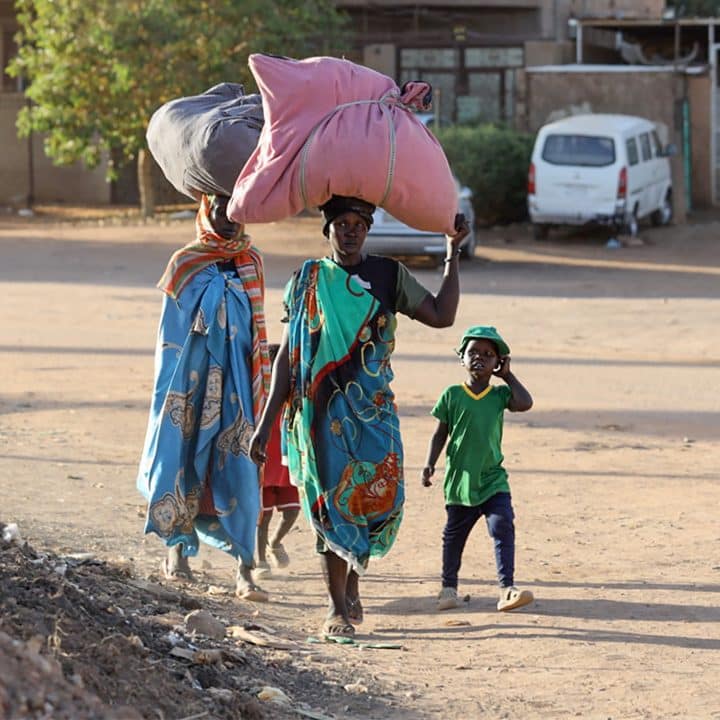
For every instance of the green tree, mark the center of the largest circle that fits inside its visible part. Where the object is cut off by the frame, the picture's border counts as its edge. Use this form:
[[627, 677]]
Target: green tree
[[96, 70], [493, 162]]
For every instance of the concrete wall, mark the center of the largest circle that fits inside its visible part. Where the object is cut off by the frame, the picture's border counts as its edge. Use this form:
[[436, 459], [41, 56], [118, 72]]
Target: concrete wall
[[437, 24], [556, 13], [14, 175], [73, 184], [649, 94], [70, 184], [547, 52], [381, 57]]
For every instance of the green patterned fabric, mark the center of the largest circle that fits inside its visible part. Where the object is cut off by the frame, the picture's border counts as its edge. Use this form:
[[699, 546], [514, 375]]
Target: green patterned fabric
[[341, 427]]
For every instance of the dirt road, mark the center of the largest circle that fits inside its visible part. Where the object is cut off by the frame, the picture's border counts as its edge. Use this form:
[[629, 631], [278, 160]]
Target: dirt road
[[614, 471]]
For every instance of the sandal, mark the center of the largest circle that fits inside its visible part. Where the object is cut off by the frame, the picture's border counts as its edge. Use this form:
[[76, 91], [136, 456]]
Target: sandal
[[354, 610], [250, 591], [335, 628]]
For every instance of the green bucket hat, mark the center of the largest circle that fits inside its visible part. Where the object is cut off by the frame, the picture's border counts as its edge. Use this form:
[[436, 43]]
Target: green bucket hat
[[485, 332]]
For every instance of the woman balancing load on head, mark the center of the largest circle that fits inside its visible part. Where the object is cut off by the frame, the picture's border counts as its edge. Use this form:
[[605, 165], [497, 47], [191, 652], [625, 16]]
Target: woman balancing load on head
[[333, 369], [212, 374]]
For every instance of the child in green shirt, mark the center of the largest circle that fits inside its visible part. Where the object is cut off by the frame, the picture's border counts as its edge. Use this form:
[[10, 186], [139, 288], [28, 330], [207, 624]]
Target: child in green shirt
[[470, 416]]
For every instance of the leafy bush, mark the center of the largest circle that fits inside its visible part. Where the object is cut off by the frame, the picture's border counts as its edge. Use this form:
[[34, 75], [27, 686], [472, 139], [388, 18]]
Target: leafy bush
[[493, 162]]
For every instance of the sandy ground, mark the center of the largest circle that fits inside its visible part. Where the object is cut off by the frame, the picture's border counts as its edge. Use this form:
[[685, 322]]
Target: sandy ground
[[614, 472]]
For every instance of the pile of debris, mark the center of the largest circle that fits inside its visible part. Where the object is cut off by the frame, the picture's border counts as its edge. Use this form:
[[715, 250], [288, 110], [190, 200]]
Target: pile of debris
[[82, 638]]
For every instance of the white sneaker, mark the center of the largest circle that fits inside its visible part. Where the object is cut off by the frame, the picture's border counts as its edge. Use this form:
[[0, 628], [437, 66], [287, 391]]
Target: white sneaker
[[512, 598], [262, 569], [448, 599]]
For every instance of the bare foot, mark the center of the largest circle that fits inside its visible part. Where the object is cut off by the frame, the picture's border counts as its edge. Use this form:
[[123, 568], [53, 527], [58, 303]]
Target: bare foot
[[175, 566], [277, 555]]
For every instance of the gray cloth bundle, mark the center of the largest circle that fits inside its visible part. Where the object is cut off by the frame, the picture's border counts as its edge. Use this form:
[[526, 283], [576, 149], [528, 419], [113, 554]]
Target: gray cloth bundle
[[201, 142]]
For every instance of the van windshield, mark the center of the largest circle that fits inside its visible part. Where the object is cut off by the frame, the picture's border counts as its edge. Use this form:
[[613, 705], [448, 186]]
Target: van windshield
[[585, 150]]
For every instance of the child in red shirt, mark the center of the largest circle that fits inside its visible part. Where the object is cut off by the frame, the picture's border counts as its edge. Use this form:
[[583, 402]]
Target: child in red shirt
[[277, 493]]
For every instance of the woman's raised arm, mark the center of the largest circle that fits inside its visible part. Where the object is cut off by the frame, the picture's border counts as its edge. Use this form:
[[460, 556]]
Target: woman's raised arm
[[439, 310]]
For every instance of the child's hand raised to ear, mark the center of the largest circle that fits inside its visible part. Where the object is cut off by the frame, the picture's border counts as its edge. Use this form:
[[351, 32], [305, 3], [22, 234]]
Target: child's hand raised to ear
[[503, 367]]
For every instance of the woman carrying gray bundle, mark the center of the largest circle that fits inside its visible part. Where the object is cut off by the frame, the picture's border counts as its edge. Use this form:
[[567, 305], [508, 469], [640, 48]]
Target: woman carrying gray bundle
[[211, 377]]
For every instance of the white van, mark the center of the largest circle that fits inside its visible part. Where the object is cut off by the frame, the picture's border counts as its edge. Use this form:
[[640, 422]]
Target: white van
[[607, 169]]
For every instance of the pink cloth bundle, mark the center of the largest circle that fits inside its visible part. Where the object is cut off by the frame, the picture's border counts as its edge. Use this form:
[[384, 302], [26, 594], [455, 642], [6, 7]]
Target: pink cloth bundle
[[336, 128]]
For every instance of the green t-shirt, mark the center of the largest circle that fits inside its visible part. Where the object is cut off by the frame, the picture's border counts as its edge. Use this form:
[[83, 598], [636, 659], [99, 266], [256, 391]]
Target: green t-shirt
[[473, 469]]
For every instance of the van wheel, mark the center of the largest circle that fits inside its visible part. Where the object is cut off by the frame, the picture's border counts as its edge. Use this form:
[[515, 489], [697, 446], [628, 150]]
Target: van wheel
[[632, 225], [663, 215], [540, 232]]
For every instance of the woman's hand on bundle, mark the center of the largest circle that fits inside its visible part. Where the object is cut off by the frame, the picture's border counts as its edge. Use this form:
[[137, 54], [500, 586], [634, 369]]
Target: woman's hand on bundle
[[462, 230]]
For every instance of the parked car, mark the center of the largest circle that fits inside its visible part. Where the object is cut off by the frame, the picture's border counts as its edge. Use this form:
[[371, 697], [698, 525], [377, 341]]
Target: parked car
[[389, 236], [599, 168]]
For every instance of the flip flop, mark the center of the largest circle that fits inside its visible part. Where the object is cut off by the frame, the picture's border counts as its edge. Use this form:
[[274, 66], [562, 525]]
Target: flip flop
[[335, 629], [251, 592]]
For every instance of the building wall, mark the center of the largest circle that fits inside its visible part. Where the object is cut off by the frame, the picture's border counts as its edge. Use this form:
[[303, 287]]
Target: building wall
[[14, 169], [614, 92], [381, 57], [392, 20], [472, 53], [387, 33], [73, 184], [432, 24], [650, 94], [548, 52]]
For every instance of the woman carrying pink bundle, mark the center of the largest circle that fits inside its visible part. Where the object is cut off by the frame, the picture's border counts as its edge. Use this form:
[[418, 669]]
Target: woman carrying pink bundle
[[333, 374]]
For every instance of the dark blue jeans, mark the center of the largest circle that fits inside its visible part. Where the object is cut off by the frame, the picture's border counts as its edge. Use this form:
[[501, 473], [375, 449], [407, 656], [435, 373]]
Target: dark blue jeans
[[499, 516]]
